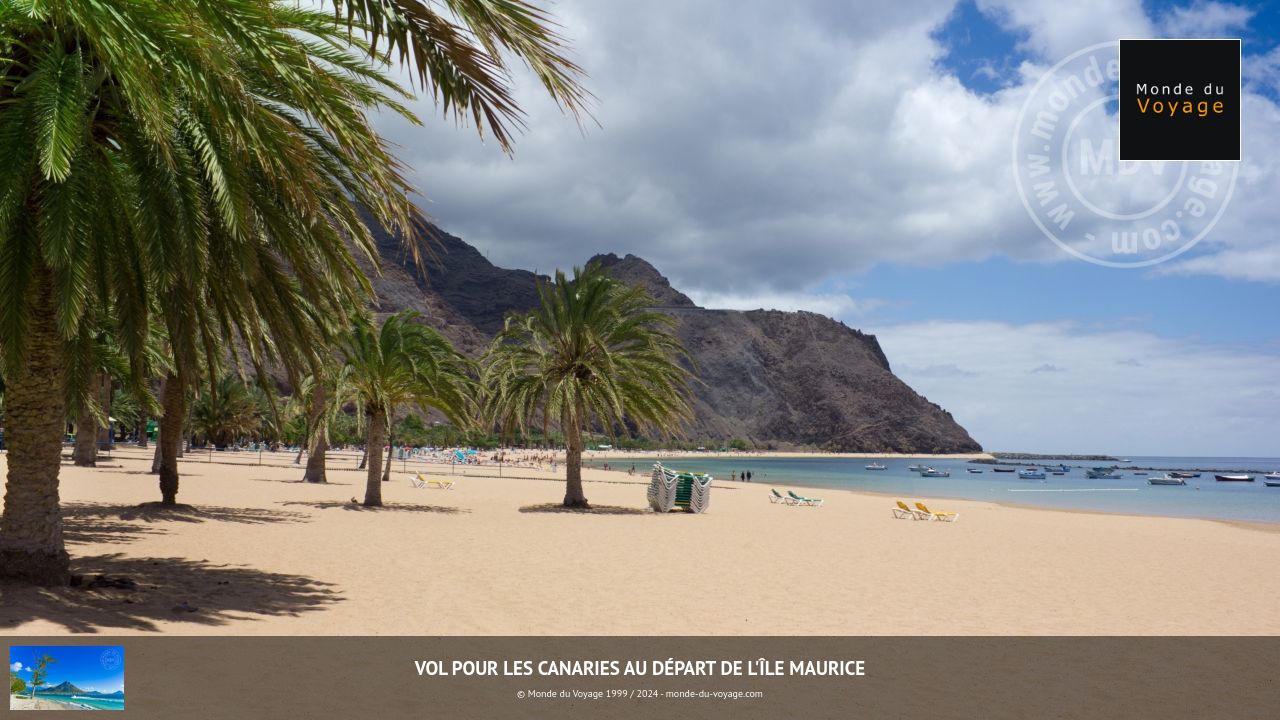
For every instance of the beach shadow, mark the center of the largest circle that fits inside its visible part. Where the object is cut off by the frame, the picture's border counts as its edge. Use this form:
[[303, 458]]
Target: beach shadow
[[84, 530], [593, 510], [162, 589], [154, 512], [390, 507], [298, 482]]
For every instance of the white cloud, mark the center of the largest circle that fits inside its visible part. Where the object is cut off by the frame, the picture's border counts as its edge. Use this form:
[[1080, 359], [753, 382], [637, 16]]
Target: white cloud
[[778, 144], [829, 304], [1116, 391], [1206, 20], [1056, 29], [15, 667]]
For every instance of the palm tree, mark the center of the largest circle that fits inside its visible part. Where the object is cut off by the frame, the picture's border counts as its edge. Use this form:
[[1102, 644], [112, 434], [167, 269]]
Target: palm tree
[[320, 399], [592, 353], [177, 162], [402, 362], [454, 49], [201, 166], [227, 412]]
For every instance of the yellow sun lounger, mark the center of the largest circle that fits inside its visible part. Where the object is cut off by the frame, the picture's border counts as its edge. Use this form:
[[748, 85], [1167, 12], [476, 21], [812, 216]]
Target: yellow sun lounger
[[904, 511], [928, 514], [424, 482]]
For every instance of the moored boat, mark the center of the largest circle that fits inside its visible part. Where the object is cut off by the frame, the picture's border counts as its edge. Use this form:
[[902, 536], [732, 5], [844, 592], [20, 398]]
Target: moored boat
[[875, 466], [1272, 483], [975, 471], [915, 468], [930, 472], [1002, 469], [1165, 480], [1057, 469], [1184, 475], [1272, 476], [1102, 473], [1031, 474], [1233, 478]]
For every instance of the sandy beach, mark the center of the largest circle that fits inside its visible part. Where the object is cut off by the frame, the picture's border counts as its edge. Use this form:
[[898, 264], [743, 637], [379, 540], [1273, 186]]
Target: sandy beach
[[39, 703], [259, 553]]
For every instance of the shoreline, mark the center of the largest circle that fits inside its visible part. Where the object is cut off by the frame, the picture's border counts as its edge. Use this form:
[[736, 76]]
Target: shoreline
[[780, 454], [496, 555], [41, 702]]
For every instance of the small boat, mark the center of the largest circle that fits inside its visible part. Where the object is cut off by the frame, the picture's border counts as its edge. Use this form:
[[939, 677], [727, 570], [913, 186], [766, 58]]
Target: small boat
[[930, 472], [1056, 469], [1271, 483], [1272, 476], [875, 466], [915, 468], [1165, 480], [1183, 475], [1031, 474], [1059, 473], [975, 471], [1002, 469], [1102, 473], [1233, 478], [1140, 473]]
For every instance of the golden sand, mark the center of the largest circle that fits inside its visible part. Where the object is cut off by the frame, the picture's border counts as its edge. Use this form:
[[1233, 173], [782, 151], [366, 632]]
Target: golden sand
[[259, 553]]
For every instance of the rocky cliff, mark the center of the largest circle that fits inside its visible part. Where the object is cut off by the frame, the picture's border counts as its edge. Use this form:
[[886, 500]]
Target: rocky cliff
[[777, 379]]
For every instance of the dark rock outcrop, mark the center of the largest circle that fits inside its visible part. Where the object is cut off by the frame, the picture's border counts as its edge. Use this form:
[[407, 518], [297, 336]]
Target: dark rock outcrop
[[776, 379]]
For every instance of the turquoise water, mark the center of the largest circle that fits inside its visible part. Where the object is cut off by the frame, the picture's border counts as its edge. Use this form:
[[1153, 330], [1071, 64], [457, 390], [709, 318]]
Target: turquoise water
[[1201, 497], [91, 702]]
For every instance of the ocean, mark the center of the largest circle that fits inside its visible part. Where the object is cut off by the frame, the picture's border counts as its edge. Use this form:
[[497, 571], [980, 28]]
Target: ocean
[[92, 703], [1201, 497]]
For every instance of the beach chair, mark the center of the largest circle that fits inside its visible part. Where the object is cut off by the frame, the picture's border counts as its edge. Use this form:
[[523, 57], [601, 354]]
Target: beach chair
[[802, 500], [423, 482], [927, 514], [777, 497], [418, 482], [904, 511]]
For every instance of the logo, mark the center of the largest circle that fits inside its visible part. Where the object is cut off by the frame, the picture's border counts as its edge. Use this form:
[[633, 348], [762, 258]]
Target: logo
[[111, 659], [1096, 207]]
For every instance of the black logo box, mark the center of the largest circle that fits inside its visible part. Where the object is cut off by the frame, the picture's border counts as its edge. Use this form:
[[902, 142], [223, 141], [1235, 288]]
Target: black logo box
[[1186, 68]]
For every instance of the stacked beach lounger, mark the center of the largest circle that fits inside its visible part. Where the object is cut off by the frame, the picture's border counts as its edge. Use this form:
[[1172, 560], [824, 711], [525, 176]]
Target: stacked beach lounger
[[669, 490]]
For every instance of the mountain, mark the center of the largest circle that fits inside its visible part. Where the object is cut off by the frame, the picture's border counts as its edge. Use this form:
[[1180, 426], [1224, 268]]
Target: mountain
[[776, 379], [63, 688]]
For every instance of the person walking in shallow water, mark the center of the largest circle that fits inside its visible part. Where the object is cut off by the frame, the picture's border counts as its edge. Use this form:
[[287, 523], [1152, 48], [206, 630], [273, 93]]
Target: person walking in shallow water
[[748, 476]]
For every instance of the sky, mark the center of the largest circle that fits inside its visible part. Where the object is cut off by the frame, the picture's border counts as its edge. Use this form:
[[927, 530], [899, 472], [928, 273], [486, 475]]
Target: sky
[[854, 159], [86, 667]]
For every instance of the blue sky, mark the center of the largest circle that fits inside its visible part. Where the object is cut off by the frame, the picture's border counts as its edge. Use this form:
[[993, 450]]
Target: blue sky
[[82, 666], [853, 159]]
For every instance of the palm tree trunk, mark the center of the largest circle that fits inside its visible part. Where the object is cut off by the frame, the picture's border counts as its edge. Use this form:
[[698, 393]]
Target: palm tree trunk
[[31, 544], [319, 440], [155, 458], [142, 430], [315, 461], [391, 444], [86, 450], [573, 495], [170, 440], [104, 438], [374, 440]]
